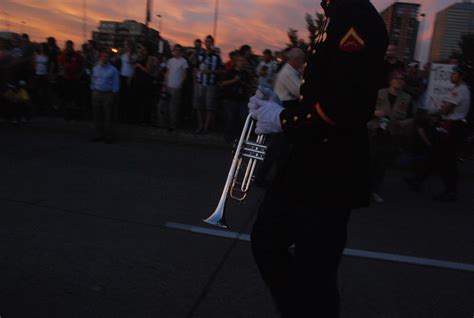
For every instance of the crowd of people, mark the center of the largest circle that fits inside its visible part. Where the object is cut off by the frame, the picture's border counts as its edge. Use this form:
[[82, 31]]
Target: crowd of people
[[194, 87]]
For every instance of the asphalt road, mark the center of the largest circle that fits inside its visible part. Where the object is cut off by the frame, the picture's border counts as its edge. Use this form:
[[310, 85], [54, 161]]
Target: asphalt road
[[83, 234]]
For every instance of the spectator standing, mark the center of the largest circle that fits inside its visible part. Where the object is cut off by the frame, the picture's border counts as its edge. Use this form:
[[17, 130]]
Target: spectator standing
[[105, 84], [230, 64], [206, 95], [71, 63], [17, 102], [128, 59], [391, 64], [455, 109], [287, 88], [266, 70], [414, 82], [235, 97], [53, 53], [5, 63], [26, 71], [41, 61], [141, 86], [390, 123], [288, 80], [169, 105]]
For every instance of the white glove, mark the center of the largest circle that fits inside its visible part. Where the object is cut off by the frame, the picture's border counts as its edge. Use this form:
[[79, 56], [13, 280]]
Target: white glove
[[263, 94], [269, 94], [267, 117]]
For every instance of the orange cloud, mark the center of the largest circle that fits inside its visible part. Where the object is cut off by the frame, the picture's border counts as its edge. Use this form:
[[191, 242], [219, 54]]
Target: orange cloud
[[260, 23]]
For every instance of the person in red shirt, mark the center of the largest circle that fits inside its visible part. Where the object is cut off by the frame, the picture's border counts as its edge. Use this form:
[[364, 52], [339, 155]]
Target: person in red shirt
[[70, 63]]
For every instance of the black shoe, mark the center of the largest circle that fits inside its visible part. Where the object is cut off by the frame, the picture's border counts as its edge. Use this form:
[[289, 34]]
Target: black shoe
[[446, 197], [108, 140], [96, 139]]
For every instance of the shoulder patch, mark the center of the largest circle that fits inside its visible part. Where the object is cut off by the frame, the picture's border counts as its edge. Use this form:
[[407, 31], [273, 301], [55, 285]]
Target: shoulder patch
[[352, 42]]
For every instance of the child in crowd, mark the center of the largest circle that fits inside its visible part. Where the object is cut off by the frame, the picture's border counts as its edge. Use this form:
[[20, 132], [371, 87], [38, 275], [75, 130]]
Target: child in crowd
[[16, 103]]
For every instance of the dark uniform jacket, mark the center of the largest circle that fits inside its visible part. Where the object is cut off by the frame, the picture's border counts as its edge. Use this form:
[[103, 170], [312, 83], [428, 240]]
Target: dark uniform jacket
[[329, 163]]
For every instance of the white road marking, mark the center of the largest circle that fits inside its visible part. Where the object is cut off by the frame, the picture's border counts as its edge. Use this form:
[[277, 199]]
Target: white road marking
[[347, 252]]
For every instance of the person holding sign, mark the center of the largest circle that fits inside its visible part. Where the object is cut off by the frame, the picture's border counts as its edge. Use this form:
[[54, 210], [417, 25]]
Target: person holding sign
[[450, 132]]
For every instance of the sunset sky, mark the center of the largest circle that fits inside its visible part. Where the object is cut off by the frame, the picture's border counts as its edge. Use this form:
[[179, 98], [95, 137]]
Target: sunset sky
[[260, 23]]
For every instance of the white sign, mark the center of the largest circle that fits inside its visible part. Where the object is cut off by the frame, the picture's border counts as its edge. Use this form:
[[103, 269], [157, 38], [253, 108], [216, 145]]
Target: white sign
[[439, 86]]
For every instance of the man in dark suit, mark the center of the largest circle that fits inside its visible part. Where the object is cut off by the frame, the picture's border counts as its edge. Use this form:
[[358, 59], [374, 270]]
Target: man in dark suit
[[327, 174]]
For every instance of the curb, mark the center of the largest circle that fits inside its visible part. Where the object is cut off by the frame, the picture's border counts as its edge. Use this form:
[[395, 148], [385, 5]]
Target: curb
[[131, 132]]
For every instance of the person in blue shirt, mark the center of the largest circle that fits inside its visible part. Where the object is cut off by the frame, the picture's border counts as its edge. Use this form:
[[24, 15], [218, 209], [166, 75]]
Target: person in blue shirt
[[105, 85]]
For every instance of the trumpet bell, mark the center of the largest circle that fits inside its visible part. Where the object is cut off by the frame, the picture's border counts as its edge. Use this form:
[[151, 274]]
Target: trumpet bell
[[241, 173]]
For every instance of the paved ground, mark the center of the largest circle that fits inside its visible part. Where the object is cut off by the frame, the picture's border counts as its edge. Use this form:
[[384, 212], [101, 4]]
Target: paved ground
[[82, 234]]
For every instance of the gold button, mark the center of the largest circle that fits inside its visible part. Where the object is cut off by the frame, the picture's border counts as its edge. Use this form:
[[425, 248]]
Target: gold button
[[305, 64], [303, 81], [283, 121], [314, 51], [308, 116], [301, 98], [295, 118]]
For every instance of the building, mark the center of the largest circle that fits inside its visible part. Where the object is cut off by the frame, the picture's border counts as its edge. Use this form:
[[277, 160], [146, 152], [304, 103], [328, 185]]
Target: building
[[402, 23], [112, 34], [450, 24], [8, 35]]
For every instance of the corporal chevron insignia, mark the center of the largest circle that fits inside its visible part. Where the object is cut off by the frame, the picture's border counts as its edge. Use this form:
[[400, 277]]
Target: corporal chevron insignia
[[352, 42]]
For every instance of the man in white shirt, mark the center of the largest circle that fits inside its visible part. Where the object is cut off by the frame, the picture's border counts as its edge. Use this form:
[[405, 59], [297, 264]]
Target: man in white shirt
[[266, 70], [454, 110], [168, 107], [287, 88], [288, 81]]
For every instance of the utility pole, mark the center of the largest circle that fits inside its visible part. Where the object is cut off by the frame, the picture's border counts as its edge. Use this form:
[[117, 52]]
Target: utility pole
[[84, 21], [160, 23], [216, 16]]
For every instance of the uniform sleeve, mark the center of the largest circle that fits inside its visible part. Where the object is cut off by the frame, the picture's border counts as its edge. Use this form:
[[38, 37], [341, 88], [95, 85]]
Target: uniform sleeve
[[355, 64]]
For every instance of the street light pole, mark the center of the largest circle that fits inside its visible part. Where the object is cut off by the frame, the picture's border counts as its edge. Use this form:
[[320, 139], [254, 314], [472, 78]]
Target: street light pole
[[84, 21], [216, 16], [419, 37]]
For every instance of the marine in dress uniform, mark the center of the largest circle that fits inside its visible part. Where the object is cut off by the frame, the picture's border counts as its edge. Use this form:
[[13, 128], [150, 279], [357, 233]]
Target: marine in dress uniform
[[327, 174]]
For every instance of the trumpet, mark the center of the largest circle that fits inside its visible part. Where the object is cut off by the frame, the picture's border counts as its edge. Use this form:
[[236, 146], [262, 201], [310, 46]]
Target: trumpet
[[241, 174]]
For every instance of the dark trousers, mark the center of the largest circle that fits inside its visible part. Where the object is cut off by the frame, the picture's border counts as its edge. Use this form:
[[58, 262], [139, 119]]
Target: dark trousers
[[303, 284], [444, 156], [103, 111], [125, 100], [42, 94], [383, 153], [236, 112], [71, 96]]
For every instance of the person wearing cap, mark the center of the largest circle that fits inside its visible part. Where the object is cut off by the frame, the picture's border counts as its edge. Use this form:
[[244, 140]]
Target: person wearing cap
[[266, 70], [392, 122], [105, 85], [309, 203]]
